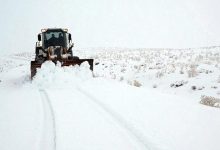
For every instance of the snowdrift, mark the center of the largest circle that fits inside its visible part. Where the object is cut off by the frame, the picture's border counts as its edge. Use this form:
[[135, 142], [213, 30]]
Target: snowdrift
[[53, 75]]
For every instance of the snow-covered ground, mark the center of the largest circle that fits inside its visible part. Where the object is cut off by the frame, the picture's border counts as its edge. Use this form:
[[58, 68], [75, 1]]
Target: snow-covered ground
[[156, 99]]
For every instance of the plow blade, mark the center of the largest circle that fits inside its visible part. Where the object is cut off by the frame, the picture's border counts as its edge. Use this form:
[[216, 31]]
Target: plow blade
[[35, 64]]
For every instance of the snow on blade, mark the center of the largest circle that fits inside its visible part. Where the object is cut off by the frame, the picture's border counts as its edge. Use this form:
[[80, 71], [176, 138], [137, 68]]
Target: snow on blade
[[50, 75]]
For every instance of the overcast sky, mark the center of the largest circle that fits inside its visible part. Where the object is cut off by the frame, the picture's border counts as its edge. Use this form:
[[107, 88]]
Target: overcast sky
[[112, 23]]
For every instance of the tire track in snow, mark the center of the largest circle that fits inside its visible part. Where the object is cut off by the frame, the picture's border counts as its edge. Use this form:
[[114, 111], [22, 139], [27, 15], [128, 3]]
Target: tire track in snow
[[133, 132], [48, 141]]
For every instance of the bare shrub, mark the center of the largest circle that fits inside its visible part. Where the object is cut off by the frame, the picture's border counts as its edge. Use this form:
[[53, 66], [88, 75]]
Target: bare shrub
[[200, 87], [210, 101], [136, 67], [181, 70], [154, 85], [193, 87], [208, 71], [137, 83], [192, 72], [129, 82], [218, 79], [121, 78], [197, 87], [173, 68], [178, 84], [214, 87], [159, 74], [123, 70]]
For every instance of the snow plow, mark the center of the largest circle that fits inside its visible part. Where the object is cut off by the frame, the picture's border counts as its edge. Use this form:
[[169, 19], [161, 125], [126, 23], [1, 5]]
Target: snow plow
[[55, 44]]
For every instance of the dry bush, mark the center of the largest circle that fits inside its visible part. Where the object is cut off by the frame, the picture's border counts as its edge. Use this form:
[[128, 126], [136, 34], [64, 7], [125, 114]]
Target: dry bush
[[181, 70], [193, 87], [129, 82], [159, 74], [214, 87], [192, 72], [210, 101], [218, 79], [137, 83], [123, 70], [178, 84], [154, 85], [121, 78]]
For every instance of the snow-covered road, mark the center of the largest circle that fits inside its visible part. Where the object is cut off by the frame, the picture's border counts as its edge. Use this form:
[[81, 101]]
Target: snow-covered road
[[82, 124], [67, 108], [48, 128]]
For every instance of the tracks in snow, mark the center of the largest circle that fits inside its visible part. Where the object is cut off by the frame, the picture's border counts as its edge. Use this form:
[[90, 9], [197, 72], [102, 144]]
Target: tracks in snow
[[48, 139], [133, 132]]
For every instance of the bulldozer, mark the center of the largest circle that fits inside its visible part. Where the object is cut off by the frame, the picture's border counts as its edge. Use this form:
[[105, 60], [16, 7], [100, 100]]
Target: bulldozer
[[55, 44]]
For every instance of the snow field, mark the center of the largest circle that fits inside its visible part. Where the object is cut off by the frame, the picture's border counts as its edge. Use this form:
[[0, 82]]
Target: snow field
[[167, 121], [139, 99], [158, 121], [186, 72]]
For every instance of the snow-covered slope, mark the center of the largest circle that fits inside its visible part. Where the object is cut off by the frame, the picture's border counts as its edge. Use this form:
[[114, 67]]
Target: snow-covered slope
[[134, 99]]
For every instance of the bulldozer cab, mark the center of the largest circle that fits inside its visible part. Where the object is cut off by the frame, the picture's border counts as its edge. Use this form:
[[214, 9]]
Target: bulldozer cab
[[55, 37]]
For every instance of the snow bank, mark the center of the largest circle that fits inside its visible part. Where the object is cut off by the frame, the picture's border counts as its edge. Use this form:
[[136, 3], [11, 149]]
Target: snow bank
[[51, 75]]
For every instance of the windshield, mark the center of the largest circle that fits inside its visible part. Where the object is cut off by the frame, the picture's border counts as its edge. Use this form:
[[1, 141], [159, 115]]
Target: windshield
[[54, 38]]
